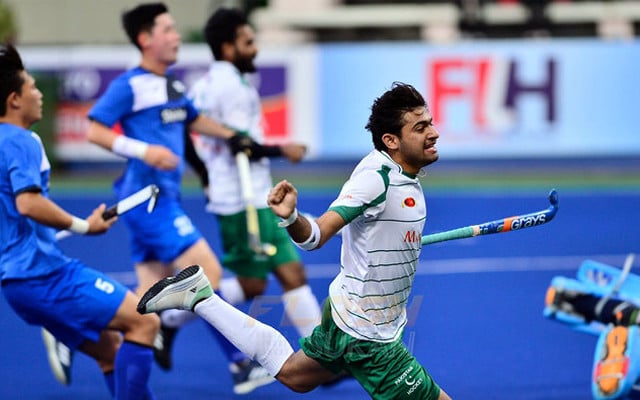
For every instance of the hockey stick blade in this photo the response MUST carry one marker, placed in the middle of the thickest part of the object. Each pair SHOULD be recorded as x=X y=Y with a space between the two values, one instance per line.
x=500 y=225
x=149 y=193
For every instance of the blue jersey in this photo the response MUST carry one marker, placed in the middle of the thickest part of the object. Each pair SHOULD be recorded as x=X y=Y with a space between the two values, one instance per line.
x=27 y=248
x=153 y=109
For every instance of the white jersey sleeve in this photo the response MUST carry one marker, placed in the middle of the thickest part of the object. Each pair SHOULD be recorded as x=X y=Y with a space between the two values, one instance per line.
x=363 y=194
x=225 y=96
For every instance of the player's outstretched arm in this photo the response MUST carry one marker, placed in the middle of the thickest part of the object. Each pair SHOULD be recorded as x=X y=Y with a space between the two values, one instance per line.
x=293 y=152
x=157 y=156
x=209 y=127
x=46 y=212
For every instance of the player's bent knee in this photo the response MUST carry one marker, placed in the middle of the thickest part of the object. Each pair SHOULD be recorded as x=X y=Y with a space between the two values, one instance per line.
x=298 y=386
x=104 y=350
x=151 y=324
x=253 y=287
x=297 y=378
x=144 y=329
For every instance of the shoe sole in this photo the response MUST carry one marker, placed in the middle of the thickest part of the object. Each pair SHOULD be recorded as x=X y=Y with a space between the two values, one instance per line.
x=614 y=365
x=252 y=385
x=161 y=285
x=54 y=361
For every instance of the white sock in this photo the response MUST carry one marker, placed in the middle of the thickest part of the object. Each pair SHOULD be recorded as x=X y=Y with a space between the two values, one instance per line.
x=176 y=318
x=231 y=291
x=258 y=341
x=302 y=308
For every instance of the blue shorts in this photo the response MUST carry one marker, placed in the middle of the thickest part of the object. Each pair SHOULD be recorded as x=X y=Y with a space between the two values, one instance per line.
x=163 y=235
x=74 y=303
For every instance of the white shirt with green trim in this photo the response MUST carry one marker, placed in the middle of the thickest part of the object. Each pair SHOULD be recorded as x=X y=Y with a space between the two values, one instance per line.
x=385 y=211
x=224 y=95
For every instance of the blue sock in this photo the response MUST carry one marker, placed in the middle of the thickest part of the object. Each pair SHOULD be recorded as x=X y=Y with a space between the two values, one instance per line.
x=111 y=382
x=132 y=370
x=233 y=354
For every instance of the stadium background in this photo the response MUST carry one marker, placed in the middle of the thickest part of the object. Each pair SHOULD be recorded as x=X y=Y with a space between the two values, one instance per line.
x=528 y=96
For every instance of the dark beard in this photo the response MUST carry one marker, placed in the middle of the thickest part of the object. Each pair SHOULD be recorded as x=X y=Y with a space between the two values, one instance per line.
x=245 y=65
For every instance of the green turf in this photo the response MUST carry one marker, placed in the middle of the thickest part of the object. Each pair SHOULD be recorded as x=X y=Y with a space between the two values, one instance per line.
x=439 y=181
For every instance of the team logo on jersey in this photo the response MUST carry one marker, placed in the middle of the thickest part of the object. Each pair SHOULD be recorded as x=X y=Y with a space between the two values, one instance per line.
x=170 y=115
x=409 y=202
x=178 y=86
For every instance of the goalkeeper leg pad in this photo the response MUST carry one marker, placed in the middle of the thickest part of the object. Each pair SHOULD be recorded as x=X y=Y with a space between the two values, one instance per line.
x=616 y=363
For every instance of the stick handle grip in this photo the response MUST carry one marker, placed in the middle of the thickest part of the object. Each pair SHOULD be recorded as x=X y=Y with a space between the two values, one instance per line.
x=453 y=234
x=244 y=172
x=110 y=212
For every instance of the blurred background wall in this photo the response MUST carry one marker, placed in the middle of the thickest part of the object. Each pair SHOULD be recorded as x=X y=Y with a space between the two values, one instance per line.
x=504 y=79
x=72 y=22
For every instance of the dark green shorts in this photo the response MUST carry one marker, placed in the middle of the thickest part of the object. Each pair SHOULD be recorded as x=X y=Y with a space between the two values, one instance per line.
x=385 y=370
x=243 y=261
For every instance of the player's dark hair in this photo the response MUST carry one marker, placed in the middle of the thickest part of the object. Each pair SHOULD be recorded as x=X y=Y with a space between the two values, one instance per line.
x=222 y=27
x=141 y=19
x=11 y=80
x=388 y=110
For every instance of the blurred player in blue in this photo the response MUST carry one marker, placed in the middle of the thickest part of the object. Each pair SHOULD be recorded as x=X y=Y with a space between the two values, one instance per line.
x=603 y=300
x=82 y=307
x=150 y=106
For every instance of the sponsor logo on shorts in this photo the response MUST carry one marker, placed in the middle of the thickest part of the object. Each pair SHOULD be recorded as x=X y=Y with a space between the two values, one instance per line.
x=414 y=385
x=408 y=379
x=404 y=375
x=183 y=225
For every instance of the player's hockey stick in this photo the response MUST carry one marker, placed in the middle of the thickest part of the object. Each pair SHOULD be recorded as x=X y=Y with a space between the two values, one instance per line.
x=626 y=268
x=253 y=227
x=149 y=193
x=500 y=225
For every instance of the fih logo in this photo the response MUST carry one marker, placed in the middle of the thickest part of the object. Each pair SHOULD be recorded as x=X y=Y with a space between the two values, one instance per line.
x=491 y=89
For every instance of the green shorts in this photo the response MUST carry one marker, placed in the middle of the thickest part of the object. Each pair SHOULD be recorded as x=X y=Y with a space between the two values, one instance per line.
x=243 y=261
x=385 y=370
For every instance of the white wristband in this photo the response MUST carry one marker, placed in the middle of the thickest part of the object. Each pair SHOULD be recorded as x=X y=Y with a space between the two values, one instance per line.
x=289 y=220
x=314 y=238
x=130 y=148
x=79 y=225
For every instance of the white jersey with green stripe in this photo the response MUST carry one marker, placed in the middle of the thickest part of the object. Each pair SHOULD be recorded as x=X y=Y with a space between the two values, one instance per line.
x=385 y=211
x=226 y=96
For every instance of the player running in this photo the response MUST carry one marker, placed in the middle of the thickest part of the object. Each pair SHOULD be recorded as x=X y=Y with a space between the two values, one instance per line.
x=383 y=211
x=82 y=307
x=149 y=104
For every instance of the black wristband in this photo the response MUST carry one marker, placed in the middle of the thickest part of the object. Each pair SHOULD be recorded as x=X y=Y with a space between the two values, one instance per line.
x=259 y=151
x=239 y=143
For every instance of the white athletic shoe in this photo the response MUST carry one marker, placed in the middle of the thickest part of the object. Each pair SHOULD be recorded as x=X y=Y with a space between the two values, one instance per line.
x=59 y=356
x=181 y=292
x=248 y=376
